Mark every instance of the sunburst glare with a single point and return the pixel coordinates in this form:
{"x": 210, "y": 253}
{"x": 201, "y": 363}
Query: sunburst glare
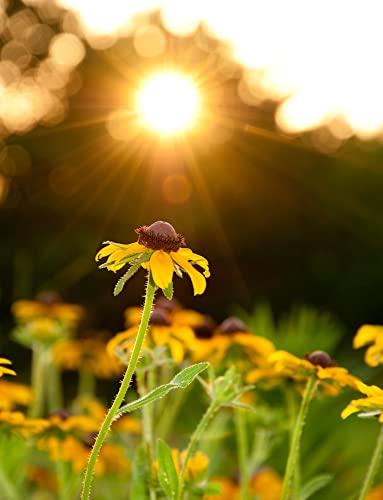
{"x": 168, "y": 103}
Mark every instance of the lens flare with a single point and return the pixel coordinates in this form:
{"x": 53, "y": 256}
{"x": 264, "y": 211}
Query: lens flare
{"x": 168, "y": 103}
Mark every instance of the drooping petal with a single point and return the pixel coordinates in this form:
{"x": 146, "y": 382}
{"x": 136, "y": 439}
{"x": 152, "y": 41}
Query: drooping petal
{"x": 198, "y": 259}
{"x": 161, "y": 267}
{"x": 197, "y": 279}
{"x": 104, "y": 252}
{"x": 160, "y": 334}
{"x": 177, "y": 349}
{"x": 367, "y": 334}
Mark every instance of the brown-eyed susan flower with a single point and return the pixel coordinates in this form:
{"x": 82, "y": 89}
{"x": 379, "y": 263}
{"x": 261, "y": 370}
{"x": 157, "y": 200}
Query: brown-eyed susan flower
{"x": 40, "y": 330}
{"x": 17, "y": 422}
{"x": 372, "y": 403}
{"x": 4, "y": 370}
{"x": 161, "y": 332}
{"x": 86, "y": 354}
{"x": 370, "y": 334}
{"x": 317, "y": 364}
{"x": 62, "y": 420}
{"x": 12, "y": 394}
{"x": 232, "y": 339}
{"x": 47, "y": 304}
{"x": 160, "y": 249}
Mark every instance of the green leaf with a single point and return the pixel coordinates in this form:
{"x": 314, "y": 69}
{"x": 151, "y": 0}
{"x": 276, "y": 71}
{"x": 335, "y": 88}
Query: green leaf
{"x": 313, "y": 485}
{"x": 180, "y": 381}
{"x": 131, "y": 272}
{"x": 168, "y": 291}
{"x": 167, "y": 472}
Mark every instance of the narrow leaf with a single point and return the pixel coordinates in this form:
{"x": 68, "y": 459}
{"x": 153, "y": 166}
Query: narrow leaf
{"x": 313, "y": 485}
{"x": 168, "y": 291}
{"x": 131, "y": 272}
{"x": 167, "y": 472}
{"x": 180, "y": 381}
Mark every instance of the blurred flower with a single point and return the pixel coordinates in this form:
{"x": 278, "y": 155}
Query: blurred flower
{"x": 318, "y": 364}
{"x": 158, "y": 249}
{"x": 17, "y": 422}
{"x": 370, "y": 334}
{"x": 372, "y": 403}
{"x": 266, "y": 484}
{"x": 47, "y": 305}
{"x": 232, "y": 339}
{"x": 88, "y": 355}
{"x": 44, "y": 479}
{"x": 197, "y": 463}
{"x": 5, "y": 370}
{"x": 44, "y": 331}
{"x": 62, "y": 420}
{"x": 12, "y": 394}
{"x": 376, "y": 493}
{"x": 229, "y": 489}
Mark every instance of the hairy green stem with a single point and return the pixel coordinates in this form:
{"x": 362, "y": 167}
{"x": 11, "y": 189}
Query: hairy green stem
{"x": 208, "y": 415}
{"x": 149, "y": 298}
{"x": 373, "y": 467}
{"x": 240, "y": 419}
{"x": 296, "y": 438}
{"x": 38, "y": 374}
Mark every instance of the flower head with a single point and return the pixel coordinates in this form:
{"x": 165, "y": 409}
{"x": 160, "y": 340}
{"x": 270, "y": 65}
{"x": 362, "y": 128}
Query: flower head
{"x": 159, "y": 249}
{"x": 370, "y": 334}
{"x": 372, "y": 403}
{"x": 12, "y": 394}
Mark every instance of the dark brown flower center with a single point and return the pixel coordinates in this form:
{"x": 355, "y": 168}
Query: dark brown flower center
{"x": 90, "y": 438}
{"x": 205, "y": 330}
{"x": 48, "y": 298}
{"x": 320, "y": 358}
{"x": 159, "y": 317}
{"x": 160, "y": 236}
{"x": 232, "y": 325}
{"x": 62, "y": 414}
{"x": 166, "y": 304}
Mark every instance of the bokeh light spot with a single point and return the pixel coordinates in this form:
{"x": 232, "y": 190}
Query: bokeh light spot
{"x": 176, "y": 189}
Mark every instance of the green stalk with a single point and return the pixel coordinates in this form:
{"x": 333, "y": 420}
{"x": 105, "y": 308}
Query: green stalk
{"x": 53, "y": 373}
{"x": 373, "y": 467}
{"x": 214, "y": 405}
{"x": 38, "y": 374}
{"x": 170, "y": 413}
{"x": 296, "y": 438}
{"x": 7, "y": 489}
{"x": 147, "y": 424}
{"x": 86, "y": 383}
{"x": 149, "y": 298}
{"x": 292, "y": 407}
{"x": 240, "y": 420}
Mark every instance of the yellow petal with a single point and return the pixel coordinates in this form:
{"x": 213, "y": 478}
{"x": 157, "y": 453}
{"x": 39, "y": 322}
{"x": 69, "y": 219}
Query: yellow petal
{"x": 160, "y": 334}
{"x": 161, "y": 267}
{"x": 106, "y": 251}
{"x": 349, "y": 410}
{"x": 197, "y": 279}
{"x": 177, "y": 350}
{"x": 194, "y": 257}
{"x": 366, "y": 334}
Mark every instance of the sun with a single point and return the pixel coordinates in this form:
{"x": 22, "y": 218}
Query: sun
{"x": 168, "y": 103}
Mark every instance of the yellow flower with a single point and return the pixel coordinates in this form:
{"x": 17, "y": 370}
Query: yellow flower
{"x": 230, "y": 489}
{"x": 4, "y": 370}
{"x": 318, "y": 364}
{"x": 376, "y": 493}
{"x": 40, "y": 330}
{"x": 20, "y": 424}
{"x": 372, "y": 403}
{"x": 370, "y": 334}
{"x": 158, "y": 249}
{"x": 47, "y": 304}
{"x": 12, "y": 394}
{"x": 86, "y": 354}
{"x": 197, "y": 463}
{"x": 62, "y": 420}
{"x": 232, "y": 334}
{"x": 161, "y": 332}
{"x": 266, "y": 484}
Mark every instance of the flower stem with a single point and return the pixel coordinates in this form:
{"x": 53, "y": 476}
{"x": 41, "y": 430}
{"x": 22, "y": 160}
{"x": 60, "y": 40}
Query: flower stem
{"x": 243, "y": 452}
{"x": 86, "y": 383}
{"x": 149, "y": 298}
{"x": 296, "y": 438}
{"x": 373, "y": 467}
{"x": 214, "y": 405}
{"x": 6, "y": 488}
{"x": 147, "y": 423}
{"x": 38, "y": 375}
{"x": 53, "y": 374}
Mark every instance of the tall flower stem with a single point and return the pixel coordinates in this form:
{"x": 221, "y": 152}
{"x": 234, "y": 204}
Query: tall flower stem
{"x": 53, "y": 374}
{"x": 373, "y": 467}
{"x": 149, "y": 298}
{"x": 147, "y": 423}
{"x": 292, "y": 407}
{"x": 296, "y": 438}
{"x": 38, "y": 375}
{"x": 243, "y": 451}
{"x": 86, "y": 383}
{"x": 208, "y": 415}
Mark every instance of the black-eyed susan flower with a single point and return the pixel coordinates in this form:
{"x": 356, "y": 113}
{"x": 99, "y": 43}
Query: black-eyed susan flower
{"x": 47, "y": 304}
{"x": 89, "y": 355}
{"x": 231, "y": 340}
{"x": 4, "y": 370}
{"x": 372, "y": 403}
{"x": 370, "y": 334}
{"x": 317, "y": 364}
{"x": 13, "y": 394}
{"x": 18, "y": 423}
{"x": 62, "y": 421}
{"x": 160, "y": 249}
